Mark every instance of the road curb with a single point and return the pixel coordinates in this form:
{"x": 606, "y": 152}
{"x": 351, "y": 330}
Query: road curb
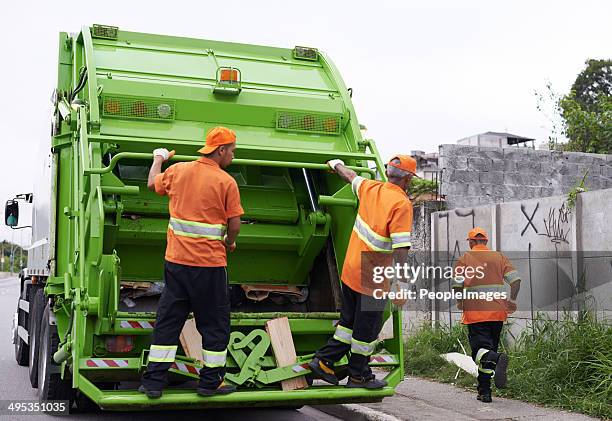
{"x": 355, "y": 412}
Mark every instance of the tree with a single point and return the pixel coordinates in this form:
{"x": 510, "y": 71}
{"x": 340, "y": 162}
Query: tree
{"x": 585, "y": 112}
{"x": 593, "y": 84}
{"x": 587, "y": 131}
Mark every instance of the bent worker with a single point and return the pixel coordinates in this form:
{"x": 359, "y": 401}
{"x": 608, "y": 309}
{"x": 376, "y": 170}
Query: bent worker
{"x": 205, "y": 215}
{"x": 382, "y": 226}
{"x": 485, "y": 317}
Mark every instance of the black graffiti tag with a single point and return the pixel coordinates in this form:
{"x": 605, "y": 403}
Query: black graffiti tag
{"x": 529, "y": 219}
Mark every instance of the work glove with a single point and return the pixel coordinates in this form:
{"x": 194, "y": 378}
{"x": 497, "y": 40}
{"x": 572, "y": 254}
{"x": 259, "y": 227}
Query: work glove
{"x": 332, "y": 164}
{"x": 164, "y": 153}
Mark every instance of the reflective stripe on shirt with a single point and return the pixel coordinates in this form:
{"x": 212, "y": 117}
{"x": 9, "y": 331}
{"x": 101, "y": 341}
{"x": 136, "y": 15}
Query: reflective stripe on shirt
{"x": 400, "y": 239}
{"x": 197, "y": 229}
{"x": 374, "y": 241}
{"x": 511, "y": 277}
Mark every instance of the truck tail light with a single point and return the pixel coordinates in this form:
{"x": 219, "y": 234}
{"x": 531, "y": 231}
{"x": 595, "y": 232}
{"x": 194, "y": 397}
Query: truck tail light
{"x": 121, "y": 343}
{"x": 229, "y": 75}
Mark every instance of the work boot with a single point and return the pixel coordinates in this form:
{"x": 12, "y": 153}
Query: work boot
{"x": 370, "y": 382}
{"x": 484, "y": 396}
{"x": 223, "y": 389}
{"x": 323, "y": 371}
{"x": 151, "y": 394}
{"x": 500, "y": 375}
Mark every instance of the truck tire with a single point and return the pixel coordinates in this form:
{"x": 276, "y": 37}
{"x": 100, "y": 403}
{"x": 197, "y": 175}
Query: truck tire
{"x": 37, "y": 306}
{"x": 22, "y": 349}
{"x": 51, "y": 386}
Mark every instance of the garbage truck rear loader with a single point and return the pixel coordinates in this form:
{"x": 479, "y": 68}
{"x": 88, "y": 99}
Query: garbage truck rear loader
{"x": 89, "y": 295}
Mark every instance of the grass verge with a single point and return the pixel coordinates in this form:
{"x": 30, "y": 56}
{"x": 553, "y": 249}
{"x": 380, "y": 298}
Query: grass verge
{"x": 565, "y": 364}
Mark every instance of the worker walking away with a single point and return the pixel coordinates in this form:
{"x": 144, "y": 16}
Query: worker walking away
{"x": 484, "y": 314}
{"x": 381, "y": 231}
{"x": 205, "y": 210}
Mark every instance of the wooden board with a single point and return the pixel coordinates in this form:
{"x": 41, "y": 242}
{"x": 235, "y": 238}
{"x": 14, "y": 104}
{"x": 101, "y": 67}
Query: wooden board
{"x": 284, "y": 350}
{"x": 191, "y": 340}
{"x": 136, "y": 285}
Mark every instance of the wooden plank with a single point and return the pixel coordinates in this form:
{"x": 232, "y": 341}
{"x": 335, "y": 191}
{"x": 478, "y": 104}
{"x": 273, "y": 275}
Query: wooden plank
{"x": 284, "y": 350}
{"x": 136, "y": 285}
{"x": 191, "y": 340}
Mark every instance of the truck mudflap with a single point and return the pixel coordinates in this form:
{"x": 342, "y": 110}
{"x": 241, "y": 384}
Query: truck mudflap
{"x": 256, "y": 386}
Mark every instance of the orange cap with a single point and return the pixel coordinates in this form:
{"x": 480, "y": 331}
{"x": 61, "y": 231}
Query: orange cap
{"x": 477, "y": 233}
{"x": 216, "y": 137}
{"x": 407, "y": 163}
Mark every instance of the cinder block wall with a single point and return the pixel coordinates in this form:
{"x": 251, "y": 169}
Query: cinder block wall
{"x": 473, "y": 175}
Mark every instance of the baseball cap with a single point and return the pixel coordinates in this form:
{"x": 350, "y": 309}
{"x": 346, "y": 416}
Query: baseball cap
{"x": 216, "y": 137}
{"x": 407, "y": 163}
{"x": 477, "y": 233}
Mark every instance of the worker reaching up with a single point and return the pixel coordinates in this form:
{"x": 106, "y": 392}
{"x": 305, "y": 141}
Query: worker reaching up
{"x": 381, "y": 230}
{"x": 204, "y": 222}
{"x": 483, "y": 317}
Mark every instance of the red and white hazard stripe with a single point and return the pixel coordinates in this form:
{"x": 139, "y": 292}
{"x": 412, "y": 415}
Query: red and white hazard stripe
{"x": 186, "y": 368}
{"x": 300, "y": 367}
{"x": 136, "y": 324}
{"x": 383, "y": 358}
{"x": 99, "y": 362}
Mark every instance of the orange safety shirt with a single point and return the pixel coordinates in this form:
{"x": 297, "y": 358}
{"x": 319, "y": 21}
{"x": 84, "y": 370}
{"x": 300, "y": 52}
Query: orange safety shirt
{"x": 202, "y": 198}
{"x": 383, "y": 223}
{"x": 495, "y": 270}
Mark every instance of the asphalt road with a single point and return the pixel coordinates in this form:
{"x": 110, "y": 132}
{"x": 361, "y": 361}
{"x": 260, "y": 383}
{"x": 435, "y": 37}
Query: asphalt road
{"x": 14, "y": 383}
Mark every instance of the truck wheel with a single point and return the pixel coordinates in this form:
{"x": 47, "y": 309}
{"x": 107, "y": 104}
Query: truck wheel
{"x": 85, "y": 405}
{"x": 37, "y": 306}
{"x": 21, "y": 348}
{"x": 51, "y": 386}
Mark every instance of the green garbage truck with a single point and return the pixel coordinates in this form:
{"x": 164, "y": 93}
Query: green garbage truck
{"x": 89, "y": 293}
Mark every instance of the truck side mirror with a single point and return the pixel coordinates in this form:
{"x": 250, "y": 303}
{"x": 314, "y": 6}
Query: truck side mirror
{"x": 11, "y": 213}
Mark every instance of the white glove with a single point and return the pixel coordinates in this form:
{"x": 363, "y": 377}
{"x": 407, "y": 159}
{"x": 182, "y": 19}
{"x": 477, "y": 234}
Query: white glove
{"x": 332, "y": 164}
{"x": 163, "y": 152}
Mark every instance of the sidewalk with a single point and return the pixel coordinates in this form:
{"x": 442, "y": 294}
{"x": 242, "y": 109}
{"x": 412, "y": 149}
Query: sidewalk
{"x": 419, "y": 399}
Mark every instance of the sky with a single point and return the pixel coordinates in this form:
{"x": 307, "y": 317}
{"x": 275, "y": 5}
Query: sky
{"x": 458, "y": 68}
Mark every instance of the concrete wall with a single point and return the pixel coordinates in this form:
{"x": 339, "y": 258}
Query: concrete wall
{"x": 473, "y": 176}
{"x": 563, "y": 256}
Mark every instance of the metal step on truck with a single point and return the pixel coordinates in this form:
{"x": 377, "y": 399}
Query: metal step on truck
{"x": 89, "y": 294}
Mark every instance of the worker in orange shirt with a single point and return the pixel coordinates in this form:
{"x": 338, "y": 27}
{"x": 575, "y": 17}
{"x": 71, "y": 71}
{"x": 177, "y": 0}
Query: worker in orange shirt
{"x": 381, "y": 232}
{"x": 485, "y": 318}
{"x": 205, "y": 210}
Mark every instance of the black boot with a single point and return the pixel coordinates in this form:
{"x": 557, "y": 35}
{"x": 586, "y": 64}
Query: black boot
{"x": 484, "y": 388}
{"x": 322, "y": 370}
{"x": 151, "y": 394}
{"x": 369, "y": 382}
{"x": 484, "y": 396}
{"x": 501, "y": 366}
{"x": 223, "y": 389}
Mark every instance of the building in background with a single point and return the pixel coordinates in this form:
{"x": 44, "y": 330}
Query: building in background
{"x": 427, "y": 165}
{"x": 498, "y": 140}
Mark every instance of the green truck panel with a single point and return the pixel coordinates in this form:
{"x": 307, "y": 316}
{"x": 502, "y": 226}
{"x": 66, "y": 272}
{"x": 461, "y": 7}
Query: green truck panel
{"x": 120, "y": 95}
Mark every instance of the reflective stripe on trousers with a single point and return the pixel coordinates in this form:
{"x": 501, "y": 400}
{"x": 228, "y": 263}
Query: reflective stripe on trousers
{"x": 162, "y": 353}
{"x": 363, "y": 348}
{"x": 197, "y": 229}
{"x": 214, "y": 358}
{"x": 343, "y": 334}
{"x": 374, "y": 241}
